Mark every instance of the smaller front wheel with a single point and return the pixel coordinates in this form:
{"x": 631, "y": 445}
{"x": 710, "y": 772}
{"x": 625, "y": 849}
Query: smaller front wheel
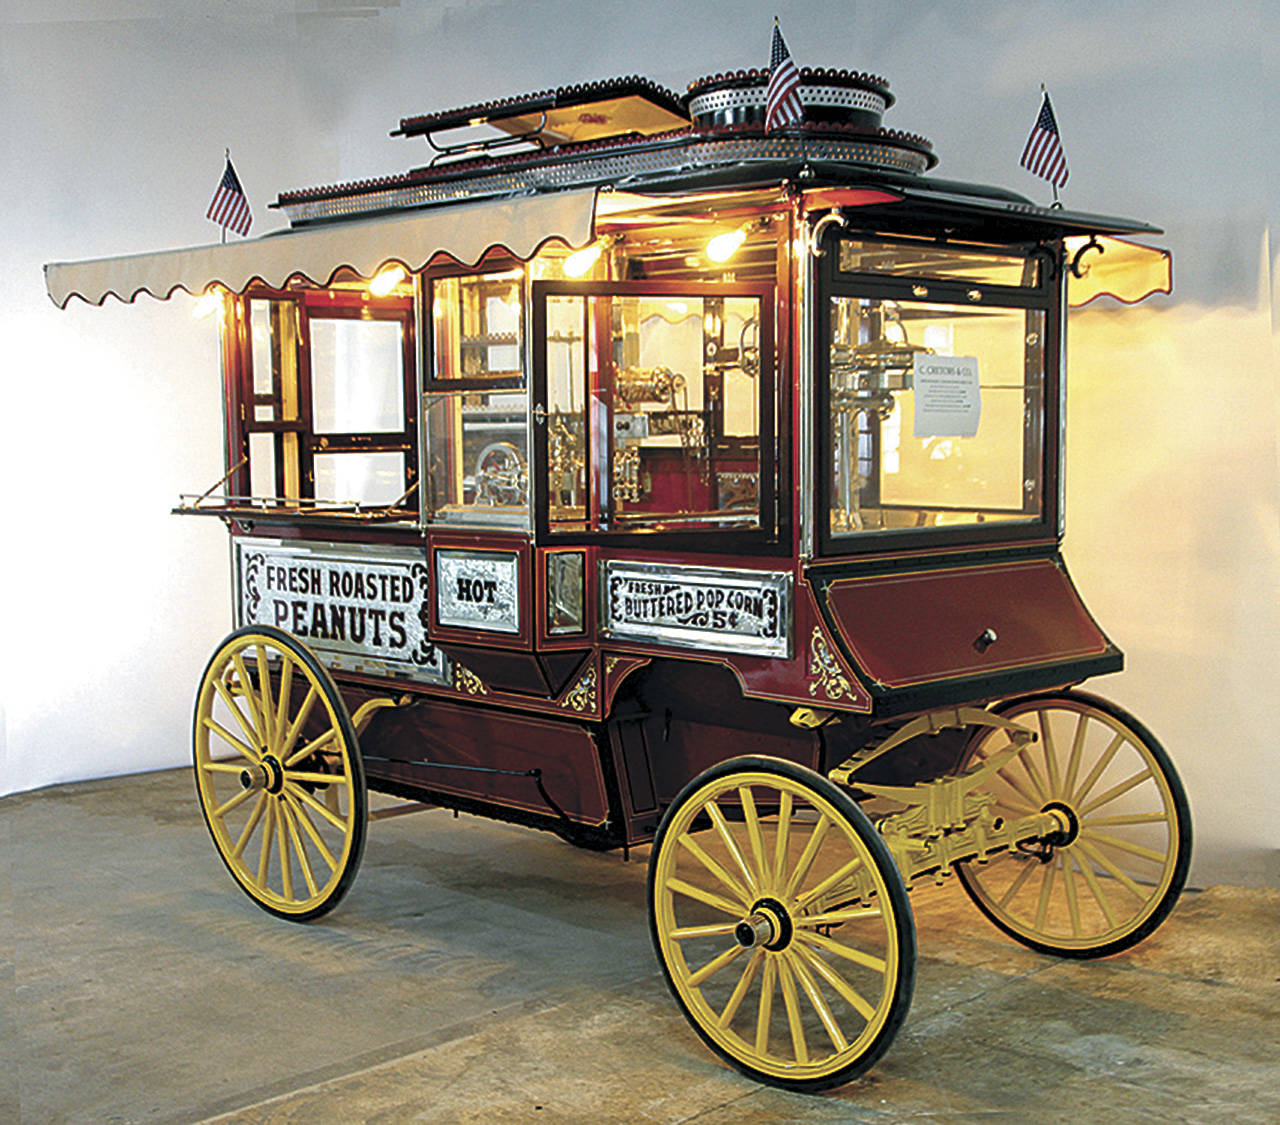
{"x": 781, "y": 923}
{"x": 278, "y": 773}
{"x": 1118, "y": 867}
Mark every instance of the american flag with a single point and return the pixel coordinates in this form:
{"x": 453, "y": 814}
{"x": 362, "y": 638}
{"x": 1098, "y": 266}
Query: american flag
{"x": 1043, "y": 155}
{"x": 229, "y": 207}
{"x": 782, "y": 102}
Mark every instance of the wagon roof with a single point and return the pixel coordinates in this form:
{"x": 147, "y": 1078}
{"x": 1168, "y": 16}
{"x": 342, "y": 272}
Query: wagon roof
{"x": 554, "y": 151}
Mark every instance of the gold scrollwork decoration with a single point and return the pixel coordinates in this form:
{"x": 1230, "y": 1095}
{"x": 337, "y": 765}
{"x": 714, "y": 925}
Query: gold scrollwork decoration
{"x": 582, "y": 696}
{"x": 466, "y": 680}
{"x": 826, "y": 671}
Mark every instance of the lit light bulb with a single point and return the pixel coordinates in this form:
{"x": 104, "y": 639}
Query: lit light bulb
{"x": 579, "y": 263}
{"x": 209, "y": 303}
{"x": 386, "y": 279}
{"x": 725, "y": 246}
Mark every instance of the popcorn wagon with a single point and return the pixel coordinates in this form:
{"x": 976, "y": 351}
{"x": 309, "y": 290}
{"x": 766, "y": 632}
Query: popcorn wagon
{"x": 631, "y": 472}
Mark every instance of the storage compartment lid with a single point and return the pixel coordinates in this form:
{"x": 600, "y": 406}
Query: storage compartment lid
{"x": 937, "y": 634}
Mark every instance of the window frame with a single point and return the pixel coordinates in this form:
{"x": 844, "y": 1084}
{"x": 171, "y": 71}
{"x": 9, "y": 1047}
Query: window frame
{"x": 762, "y": 539}
{"x": 1045, "y": 296}
{"x": 323, "y": 304}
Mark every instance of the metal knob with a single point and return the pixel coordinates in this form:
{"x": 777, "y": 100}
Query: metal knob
{"x": 985, "y": 640}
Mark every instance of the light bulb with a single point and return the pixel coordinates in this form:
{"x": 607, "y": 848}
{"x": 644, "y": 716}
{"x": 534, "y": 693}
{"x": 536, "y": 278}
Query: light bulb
{"x": 725, "y": 246}
{"x": 386, "y": 279}
{"x": 208, "y": 303}
{"x": 579, "y": 263}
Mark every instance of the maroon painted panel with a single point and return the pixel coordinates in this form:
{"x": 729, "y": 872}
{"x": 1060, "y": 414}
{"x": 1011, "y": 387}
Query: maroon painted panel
{"x": 914, "y": 628}
{"x": 415, "y": 746}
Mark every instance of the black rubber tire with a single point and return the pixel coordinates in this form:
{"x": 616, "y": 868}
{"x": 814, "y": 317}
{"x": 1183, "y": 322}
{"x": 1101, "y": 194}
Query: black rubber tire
{"x": 1178, "y": 818}
{"x": 901, "y": 925}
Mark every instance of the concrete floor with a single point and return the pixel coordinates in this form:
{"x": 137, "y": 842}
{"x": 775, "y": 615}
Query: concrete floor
{"x": 479, "y": 972}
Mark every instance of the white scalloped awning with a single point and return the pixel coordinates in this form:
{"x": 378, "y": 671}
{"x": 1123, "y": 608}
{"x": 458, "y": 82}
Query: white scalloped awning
{"x": 464, "y": 233}
{"x": 1119, "y": 268}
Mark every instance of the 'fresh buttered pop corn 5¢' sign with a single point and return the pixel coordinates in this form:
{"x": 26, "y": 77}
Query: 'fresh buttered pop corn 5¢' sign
{"x": 744, "y": 611}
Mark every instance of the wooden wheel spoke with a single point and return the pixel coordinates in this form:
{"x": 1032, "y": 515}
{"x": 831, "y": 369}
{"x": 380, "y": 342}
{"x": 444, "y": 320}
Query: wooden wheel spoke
{"x": 856, "y": 1000}
{"x": 1077, "y": 754}
{"x": 312, "y": 778}
{"x": 246, "y": 726}
{"x": 1127, "y": 819}
{"x": 286, "y": 863}
{"x": 254, "y": 817}
{"x": 234, "y": 803}
{"x": 1111, "y": 869}
{"x": 731, "y": 846}
{"x": 246, "y": 752}
{"x": 838, "y": 1041}
{"x": 717, "y": 929}
{"x": 1069, "y": 884}
{"x": 1046, "y": 892}
{"x": 310, "y": 829}
{"x": 792, "y": 1004}
{"x": 1050, "y": 754}
{"x": 1028, "y": 867}
{"x": 304, "y": 860}
{"x": 1115, "y": 792}
{"x": 222, "y": 767}
{"x": 1095, "y": 889}
{"x": 764, "y": 1010}
{"x": 707, "y": 898}
{"x": 1098, "y": 767}
{"x": 317, "y": 743}
{"x": 783, "y": 841}
{"x": 1019, "y": 788}
{"x": 1119, "y": 845}
{"x": 268, "y": 836}
{"x": 295, "y": 728}
{"x": 716, "y": 964}
{"x": 1042, "y": 792}
{"x": 251, "y": 697}
{"x": 752, "y": 820}
{"x": 302, "y": 795}
{"x": 836, "y": 917}
{"x": 837, "y": 949}
{"x": 807, "y": 856}
{"x": 264, "y": 696}
{"x": 833, "y": 880}
{"x": 279, "y": 721}
{"x": 695, "y": 849}
{"x": 740, "y": 989}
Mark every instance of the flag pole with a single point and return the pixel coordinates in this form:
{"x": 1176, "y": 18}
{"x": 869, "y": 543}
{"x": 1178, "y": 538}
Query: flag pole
{"x": 226, "y": 153}
{"x": 1057, "y": 203}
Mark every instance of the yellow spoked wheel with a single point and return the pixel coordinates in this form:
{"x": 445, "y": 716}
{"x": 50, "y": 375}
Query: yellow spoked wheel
{"x": 278, "y": 772}
{"x": 781, "y": 923}
{"x": 1115, "y": 871}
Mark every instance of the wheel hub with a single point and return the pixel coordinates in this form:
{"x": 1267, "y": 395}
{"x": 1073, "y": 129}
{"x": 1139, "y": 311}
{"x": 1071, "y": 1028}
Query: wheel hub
{"x": 1069, "y": 823}
{"x": 267, "y": 774}
{"x": 768, "y": 925}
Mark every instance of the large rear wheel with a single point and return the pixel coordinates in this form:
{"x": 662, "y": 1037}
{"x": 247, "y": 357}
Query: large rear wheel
{"x": 781, "y": 923}
{"x": 1116, "y": 871}
{"x": 278, "y": 773}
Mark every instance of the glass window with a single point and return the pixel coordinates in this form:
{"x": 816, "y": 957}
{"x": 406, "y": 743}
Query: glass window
{"x": 476, "y": 324}
{"x": 357, "y": 376}
{"x": 478, "y": 457}
{"x": 976, "y": 266}
{"x": 654, "y": 410}
{"x": 936, "y": 415}
{"x": 328, "y": 423}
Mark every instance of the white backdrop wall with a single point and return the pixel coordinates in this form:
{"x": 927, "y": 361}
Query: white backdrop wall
{"x": 113, "y": 119}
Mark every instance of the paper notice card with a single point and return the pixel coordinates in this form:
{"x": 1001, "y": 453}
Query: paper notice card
{"x": 948, "y": 401}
